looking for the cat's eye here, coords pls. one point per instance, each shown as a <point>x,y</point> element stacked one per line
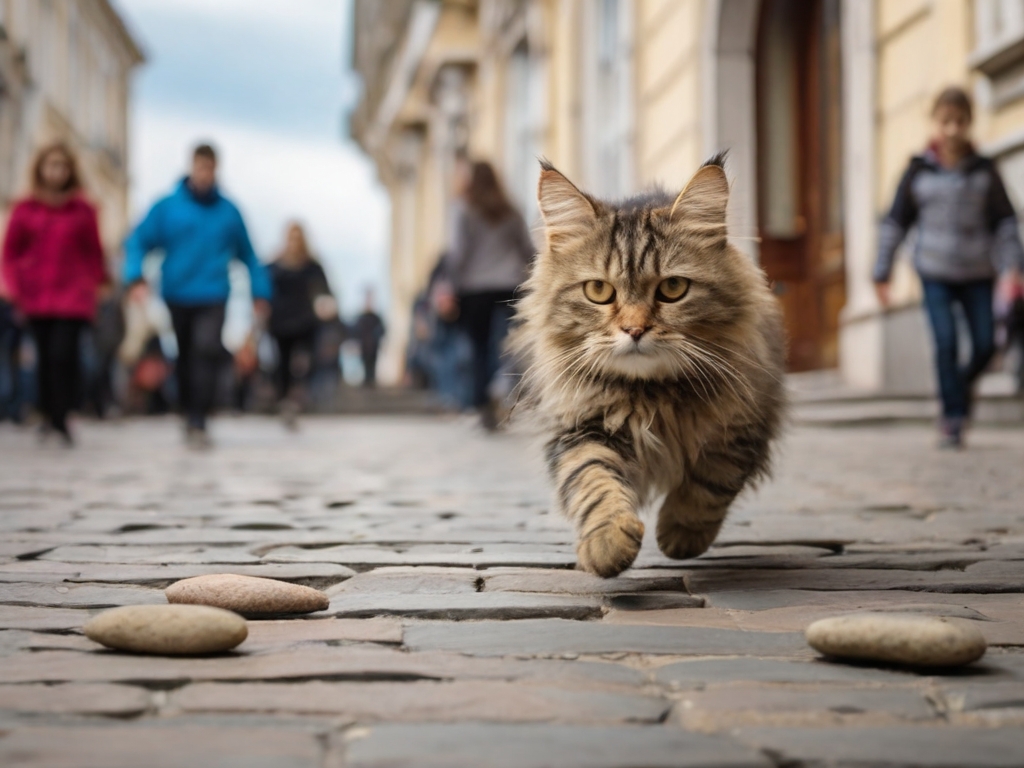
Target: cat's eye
<point>672,289</point>
<point>599,291</point>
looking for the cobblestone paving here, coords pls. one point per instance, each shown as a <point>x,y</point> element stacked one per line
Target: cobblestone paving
<point>458,635</point>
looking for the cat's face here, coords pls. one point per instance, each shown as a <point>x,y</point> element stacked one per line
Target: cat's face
<point>641,290</point>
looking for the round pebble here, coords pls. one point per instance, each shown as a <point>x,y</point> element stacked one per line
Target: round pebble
<point>248,595</point>
<point>168,630</point>
<point>898,638</point>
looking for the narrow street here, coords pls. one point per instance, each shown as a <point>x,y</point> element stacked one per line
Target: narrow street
<point>458,635</point>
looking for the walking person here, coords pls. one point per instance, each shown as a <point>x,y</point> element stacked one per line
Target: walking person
<point>200,231</point>
<point>298,282</point>
<point>967,238</point>
<point>52,268</point>
<point>490,251</point>
<point>369,331</point>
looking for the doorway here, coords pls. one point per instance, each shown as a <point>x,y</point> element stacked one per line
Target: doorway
<point>799,172</point>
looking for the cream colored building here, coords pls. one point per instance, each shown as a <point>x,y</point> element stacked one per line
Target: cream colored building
<point>65,72</point>
<point>819,102</point>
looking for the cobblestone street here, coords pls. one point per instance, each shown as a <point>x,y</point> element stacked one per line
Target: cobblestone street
<point>458,635</point>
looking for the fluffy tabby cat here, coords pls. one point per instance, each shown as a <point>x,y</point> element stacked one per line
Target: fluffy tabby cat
<point>654,353</point>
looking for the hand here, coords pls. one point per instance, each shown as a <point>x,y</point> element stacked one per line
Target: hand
<point>1009,287</point>
<point>882,292</point>
<point>138,293</point>
<point>261,308</point>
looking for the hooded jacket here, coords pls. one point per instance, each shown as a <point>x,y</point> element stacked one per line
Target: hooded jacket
<point>53,259</point>
<point>966,224</point>
<point>199,237</point>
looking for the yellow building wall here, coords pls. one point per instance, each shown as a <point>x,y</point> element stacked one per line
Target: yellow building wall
<point>668,95</point>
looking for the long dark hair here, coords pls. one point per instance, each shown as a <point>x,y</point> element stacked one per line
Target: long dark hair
<point>74,182</point>
<point>485,195</point>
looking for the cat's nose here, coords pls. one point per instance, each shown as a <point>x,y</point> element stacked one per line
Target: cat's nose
<point>636,331</point>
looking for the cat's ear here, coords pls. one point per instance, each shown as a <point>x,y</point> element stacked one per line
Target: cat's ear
<point>706,196</point>
<point>565,209</point>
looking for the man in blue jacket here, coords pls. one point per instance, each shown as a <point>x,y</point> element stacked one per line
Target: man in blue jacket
<point>199,232</point>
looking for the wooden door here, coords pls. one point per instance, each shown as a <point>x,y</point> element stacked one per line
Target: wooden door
<point>799,172</point>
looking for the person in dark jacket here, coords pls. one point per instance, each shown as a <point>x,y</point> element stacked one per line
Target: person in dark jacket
<point>53,267</point>
<point>200,231</point>
<point>298,282</point>
<point>966,238</point>
<point>368,330</point>
<point>490,251</point>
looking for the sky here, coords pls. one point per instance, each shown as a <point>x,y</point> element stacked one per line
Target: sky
<point>268,83</point>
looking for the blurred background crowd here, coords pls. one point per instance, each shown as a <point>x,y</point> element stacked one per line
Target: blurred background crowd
<point>390,249</point>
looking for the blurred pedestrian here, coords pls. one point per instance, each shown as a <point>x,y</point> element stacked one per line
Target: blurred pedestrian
<point>450,354</point>
<point>967,237</point>
<point>200,231</point>
<point>490,251</point>
<point>298,283</point>
<point>369,331</point>
<point>52,268</point>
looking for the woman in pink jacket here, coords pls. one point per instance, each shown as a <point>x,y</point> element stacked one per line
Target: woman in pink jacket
<point>52,269</point>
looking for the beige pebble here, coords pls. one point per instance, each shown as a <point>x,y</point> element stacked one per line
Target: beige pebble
<point>247,595</point>
<point>898,638</point>
<point>168,630</point>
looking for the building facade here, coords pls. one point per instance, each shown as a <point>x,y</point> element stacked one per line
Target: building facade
<point>820,104</point>
<point>65,71</point>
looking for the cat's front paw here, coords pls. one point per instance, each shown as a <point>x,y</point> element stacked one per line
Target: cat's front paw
<point>683,542</point>
<point>611,546</point>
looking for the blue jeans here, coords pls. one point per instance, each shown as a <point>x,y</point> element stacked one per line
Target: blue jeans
<point>955,380</point>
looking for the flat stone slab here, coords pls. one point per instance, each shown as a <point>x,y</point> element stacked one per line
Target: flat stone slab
<point>153,555</point>
<point>166,746</point>
<point>80,699</point>
<point>351,662</point>
<point>719,707</point>
<point>402,580</point>
<point>575,582</point>
<point>483,556</point>
<point>546,637</point>
<point>77,595</point>
<point>43,619</point>
<point>471,745</point>
<point>287,633</point>
<point>460,606</point>
<point>893,746</point>
<point>981,696</point>
<point>701,672</point>
<point>425,701</point>
<point>1005,578</point>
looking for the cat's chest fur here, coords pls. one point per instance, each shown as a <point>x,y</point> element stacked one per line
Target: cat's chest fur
<point>668,426</point>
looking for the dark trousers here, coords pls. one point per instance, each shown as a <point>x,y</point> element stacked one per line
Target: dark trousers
<point>485,317</point>
<point>11,395</point>
<point>294,361</point>
<point>200,354</point>
<point>368,353</point>
<point>57,367</point>
<point>955,380</point>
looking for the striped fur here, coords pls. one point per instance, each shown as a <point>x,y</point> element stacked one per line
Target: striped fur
<point>691,408</point>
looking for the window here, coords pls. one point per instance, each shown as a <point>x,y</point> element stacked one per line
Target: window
<point>608,94</point>
<point>524,127</point>
<point>999,47</point>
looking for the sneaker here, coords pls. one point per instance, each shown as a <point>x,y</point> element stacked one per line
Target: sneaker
<point>290,415</point>
<point>64,436</point>
<point>952,438</point>
<point>197,438</point>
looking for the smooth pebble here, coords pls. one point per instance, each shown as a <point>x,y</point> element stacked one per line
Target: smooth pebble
<point>168,630</point>
<point>247,595</point>
<point>898,638</point>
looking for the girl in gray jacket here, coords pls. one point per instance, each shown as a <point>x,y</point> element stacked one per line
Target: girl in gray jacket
<point>966,238</point>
